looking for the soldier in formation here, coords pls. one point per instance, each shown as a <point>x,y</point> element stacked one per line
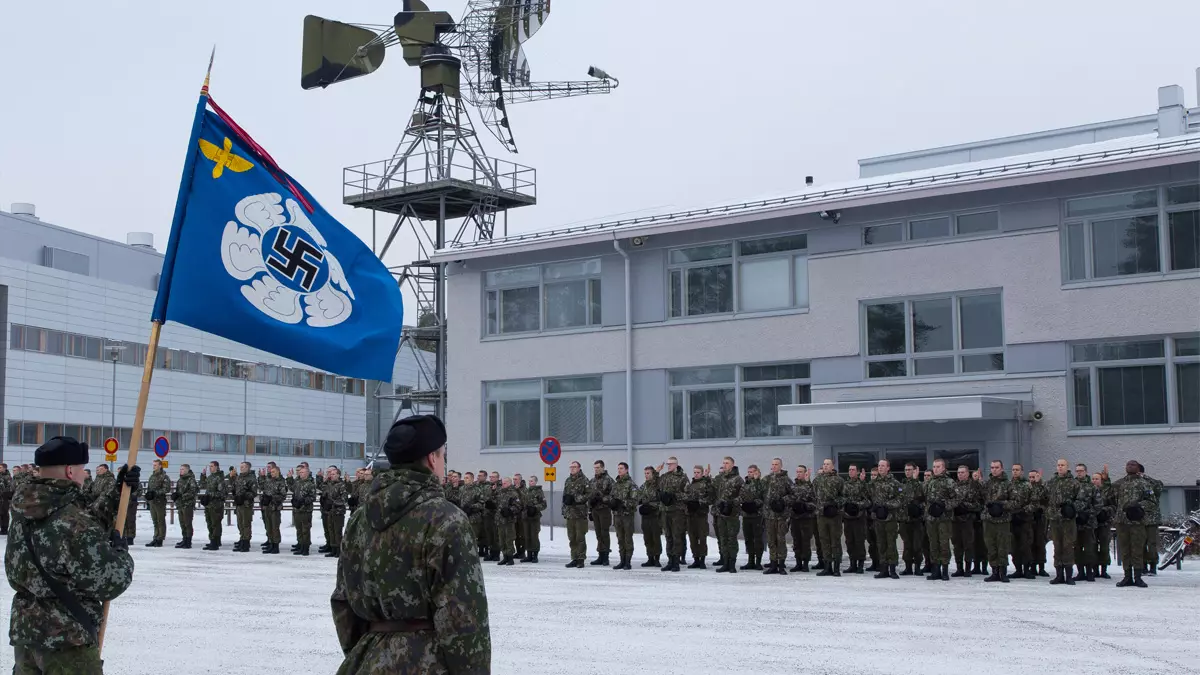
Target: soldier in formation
<point>6,495</point>
<point>184,497</point>
<point>333,511</point>
<point>780,494</point>
<point>304,496</point>
<point>803,519</point>
<point>274,492</point>
<point>534,500</point>
<point>576,492</point>
<point>158,488</point>
<point>211,494</point>
<point>699,499</point>
<point>623,502</point>
<point>650,509</point>
<point>600,504</point>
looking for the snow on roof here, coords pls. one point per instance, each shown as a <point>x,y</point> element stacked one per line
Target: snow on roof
<point>1105,156</point>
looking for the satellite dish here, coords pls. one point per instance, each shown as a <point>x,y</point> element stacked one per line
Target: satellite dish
<point>334,51</point>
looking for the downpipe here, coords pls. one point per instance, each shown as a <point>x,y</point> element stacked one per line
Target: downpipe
<point>628,358</point>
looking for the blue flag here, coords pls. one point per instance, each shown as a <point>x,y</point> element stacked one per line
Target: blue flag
<point>254,258</point>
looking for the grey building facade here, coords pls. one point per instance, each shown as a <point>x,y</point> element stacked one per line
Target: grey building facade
<point>1020,299</point>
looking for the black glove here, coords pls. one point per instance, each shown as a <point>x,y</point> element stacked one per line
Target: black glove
<point>667,498</point>
<point>750,507</point>
<point>616,504</point>
<point>117,541</point>
<point>131,477</point>
<point>506,512</point>
<point>325,506</point>
<point>353,502</point>
<point>694,506</point>
<point>1135,513</point>
<point>995,509</point>
<point>151,495</point>
<point>295,501</point>
<point>937,509</point>
<point>798,507</point>
<point>264,501</point>
<point>568,499</point>
<point>490,504</point>
<point>851,509</point>
<point>725,508</point>
<point>829,510</point>
<point>204,499</point>
<point>881,512</point>
<point>175,496</point>
<point>1067,510</point>
<point>594,501</point>
<point>914,510</point>
<point>960,510</point>
<point>1081,520</point>
<point>531,511</point>
<point>777,505</point>
<point>1019,518</point>
<point>1038,512</point>
<point>590,518</point>
<point>1102,518</point>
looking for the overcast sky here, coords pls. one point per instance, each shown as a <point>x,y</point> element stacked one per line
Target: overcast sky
<point>718,100</point>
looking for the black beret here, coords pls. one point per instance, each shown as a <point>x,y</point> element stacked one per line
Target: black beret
<point>413,438</point>
<point>61,451</point>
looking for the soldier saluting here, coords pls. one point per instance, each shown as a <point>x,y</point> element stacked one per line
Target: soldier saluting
<point>64,560</point>
<point>410,595</point>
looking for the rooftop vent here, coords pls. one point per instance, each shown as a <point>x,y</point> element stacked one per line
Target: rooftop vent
<point>140,239</point>
<point>24,209</point>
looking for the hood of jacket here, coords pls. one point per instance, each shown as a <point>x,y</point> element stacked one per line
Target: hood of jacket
<point>397,491</point>
<point>39,498</point>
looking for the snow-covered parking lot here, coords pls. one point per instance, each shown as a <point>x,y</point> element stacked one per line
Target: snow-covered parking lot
<point>232,613</point>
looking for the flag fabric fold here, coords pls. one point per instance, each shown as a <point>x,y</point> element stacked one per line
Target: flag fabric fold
<point>254,258</point>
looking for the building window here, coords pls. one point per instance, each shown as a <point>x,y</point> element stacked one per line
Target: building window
<point>1139,232</point>
<point>514,412</point>
<point>772,273</point>
<point>546,297</point>
<point>701,280</point>
<point>764,389</point>
<point>927,227</point>
<point>950,335</point>
<point>703,403</point>
<point>574,410</point>
<point>1135,383</point>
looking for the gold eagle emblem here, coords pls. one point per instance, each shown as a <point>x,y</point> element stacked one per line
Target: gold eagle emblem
<point>223,158</point>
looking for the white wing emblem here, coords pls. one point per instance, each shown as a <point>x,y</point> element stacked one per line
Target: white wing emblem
<point>290,275</point>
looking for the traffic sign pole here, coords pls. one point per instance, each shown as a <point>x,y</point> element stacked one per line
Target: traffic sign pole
<point>552,511</point>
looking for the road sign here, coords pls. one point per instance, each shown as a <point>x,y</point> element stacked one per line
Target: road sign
<point>162,447</point>
<point>550,450</point>
<point>110,458</point>
<point>164,463</point>
<point>111,445</point>
<point>548,474</point>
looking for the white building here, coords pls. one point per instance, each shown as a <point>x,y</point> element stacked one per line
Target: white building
<point>66,296</point>
<point>1021,299</point>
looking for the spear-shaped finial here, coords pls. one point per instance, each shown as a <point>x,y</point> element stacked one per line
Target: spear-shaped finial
<point>208,74</point>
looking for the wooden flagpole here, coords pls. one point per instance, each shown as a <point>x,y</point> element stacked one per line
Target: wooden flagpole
<point>139,416</point>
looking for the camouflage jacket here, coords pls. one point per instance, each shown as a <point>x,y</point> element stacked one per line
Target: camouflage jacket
<point>70,535</point>
<point>717,480</point>
<point>886,492</point>
<point>577,488</point>
<point>998,491</point>
<point>102,487</point>
<point>857,493</point>
<point>304,494</point>
<point>969,495</point>
<point>1132,491</point>
<point>1038,499</point>
<point>333,497</point>
<point>1062,490</point>
<point>672,489</point>
<point>534,499</point>
<point>830,489</point>
<point>804,506</point>
<point>699,496</point>
<point>160,485</point>
<point>912,499</point>
<point>245,489</point>
<point>454,494</point>
<point>730,493</point>
<point>184,495</point>
<point>1022,493</point>
<point>410,555</point>
<point>779,494</point>
<point>1108,504</point>
<point>470,500</point>
<point>212,487</point>
<point>1090,496</point>
<point>6,486</point>
<point>87,486</point>
<point>754,492</point>
<point>940,490</point>
<point>1155,513</point>
<point>508,504</point>
<point>275,491</point>
<point>602,486</point>
<point>647,497</point>
<point>624,496</point>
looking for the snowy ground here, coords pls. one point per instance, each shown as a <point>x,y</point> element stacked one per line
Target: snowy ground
<point>250,614</point>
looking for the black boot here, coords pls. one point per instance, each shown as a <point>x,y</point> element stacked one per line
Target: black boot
<point>995,575</point>
<point>1030,571</point>
<point>930,568</point>
<point>650,562</point>
<point>696,564</point>
<point>275,548</point>
<point>770,568</point>
<point>720,562</point>
<point>820,564</point>
<point>959,569</point>
<point>749,563</point>
<point>508,561</point>
<point>1103,572</point>
<point>882,573</point>
<point>892,572</point>
<point>945,572</point>
<point>700,564</point>
<point>675,565</point>
<point>1080,575</point>
<point>799,566</point>
<point>1041,570</point>
<point>334,551</point>
<point>936,574</point>
<point>853,568</point>
<point>570,565</point>
<point>324,548</point>
<point>1128,580</point>
<point>533,558</point>
<point>1089,573</point>
<point>874,567</point>
<point>1151,569</point>
<point>908,569</point>
<point>150,544</point>
<point>1004,574</point>
<point>757,562</point>
<point>601,559</point>
<point>179,544</point>
<point>1137,579</point>
<point>826,571</point>
<point>187,543</point>
<point>620,564</point>
<point>266,549</point>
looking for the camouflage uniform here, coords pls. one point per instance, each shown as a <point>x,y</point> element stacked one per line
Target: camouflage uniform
<point>491,532</point>
<point>999,504</point>
<point>245,489</point>
<point>966,511</point>
<point>910,517</point>
<point>333,513</point>
<point>534,500</point>
<point>1104,526</point>
<point>1153,520</point>
<point>184,497</point>
<point>673,495</point>
<point>1085,537</point>
<point>779,496</point>
<point>304,495</point>
<point>855,502</point>
<point>1134,504</point>
<point>941,500</point>
<point>157,490</point>
<point>754,492</point>
<point>453,494</point>
<point>1064,505</point>
<point>601,515</point>
<point>886,497</point>
<point>73,541</point>
<point>519,526</point>
<point>471,503</point>
<point>830,498</point>
<point>728,508</point>
<point>274,492</point>
<point>1022,527</point>
<point>650,509</point>
<point>699,498</point>
<point>624,502</point>
<point>576,490</point>
<point>508,511</point>
<point>212,497</point>
<point>804,518</point>
<point>6,493</point>
<point>1038,501</point>
<point>410,596</point>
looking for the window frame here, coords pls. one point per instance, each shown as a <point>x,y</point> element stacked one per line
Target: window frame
<point>593,283</point>
<point>793,383</point>
<point>735,260</point>
<point>906,226</point>
<point>591,396</point>
<point>1161,211</point>
<point>910,355</point>
<point>739,384</point>
<point>1169,360</point>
